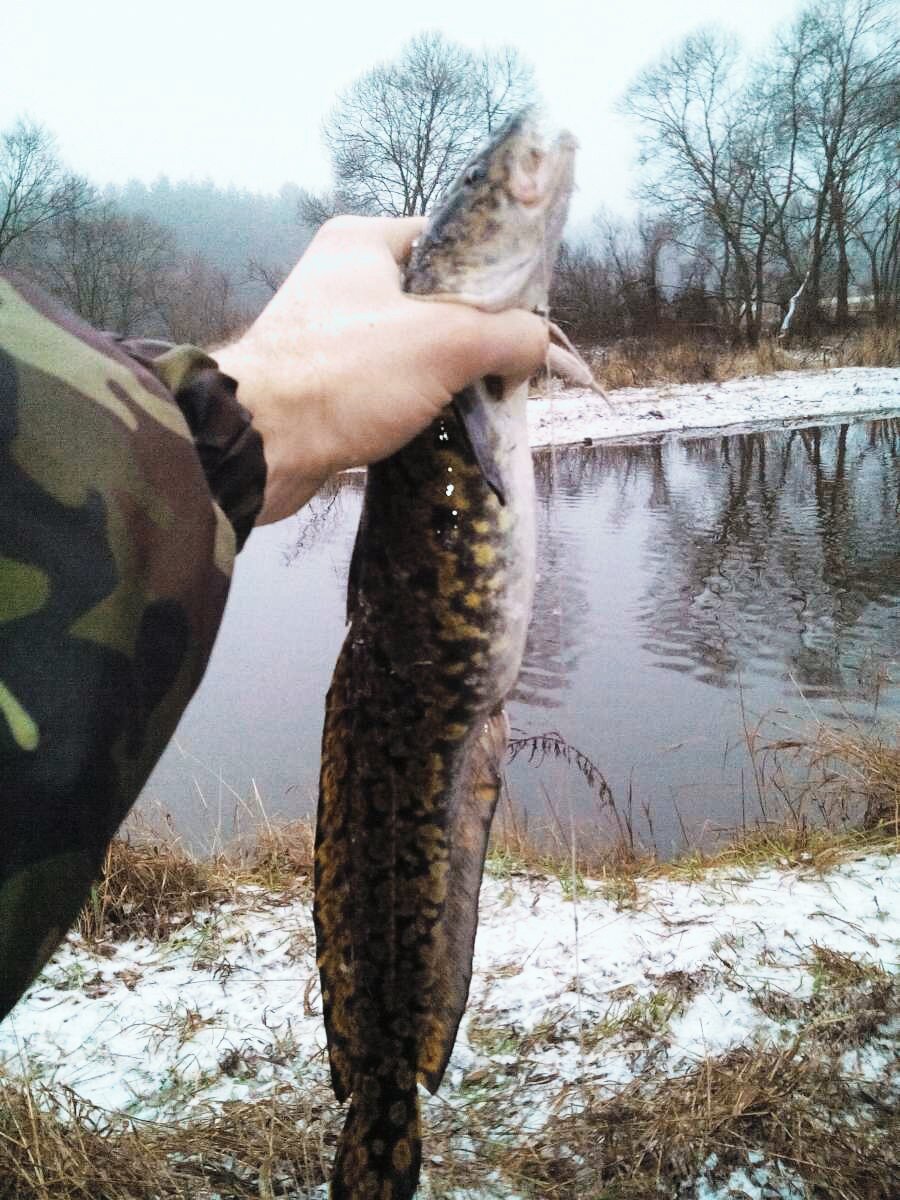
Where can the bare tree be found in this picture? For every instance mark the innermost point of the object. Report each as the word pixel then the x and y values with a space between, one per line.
pixel 315 208
pixel 105 265
pixel 503 84
pixel 401 132
pixel 844 59
pixel 197 303
pixel 584 299
pixel 35 189
pixel 777 159
pixel 269 276
pixel 622 280
pixel 875 222
pixel 695 134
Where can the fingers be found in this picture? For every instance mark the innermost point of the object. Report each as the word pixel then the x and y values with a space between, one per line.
pixel 512 344
pixel 400 233
pixel 396 234
pixel 349 277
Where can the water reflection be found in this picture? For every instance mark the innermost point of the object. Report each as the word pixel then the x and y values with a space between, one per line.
pixel 682 583
pixel 693 585
pixel 775 554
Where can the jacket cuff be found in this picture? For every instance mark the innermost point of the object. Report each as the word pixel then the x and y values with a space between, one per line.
pixel 229 448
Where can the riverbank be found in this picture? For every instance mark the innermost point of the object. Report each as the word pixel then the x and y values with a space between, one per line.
pixel 566 416
pixel 709 1029
pixel 677 1034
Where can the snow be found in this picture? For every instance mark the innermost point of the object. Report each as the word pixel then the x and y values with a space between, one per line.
pixel 228 1007
pixel 784 398
pixel 736 935
pixel 757 1182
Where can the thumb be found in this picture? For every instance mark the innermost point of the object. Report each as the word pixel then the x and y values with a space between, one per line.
pixel 512 344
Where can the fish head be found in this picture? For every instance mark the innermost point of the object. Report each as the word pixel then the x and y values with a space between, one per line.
pixel 494 238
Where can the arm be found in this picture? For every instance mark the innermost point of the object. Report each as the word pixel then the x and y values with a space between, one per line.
pixel 114 566
pixel 129 476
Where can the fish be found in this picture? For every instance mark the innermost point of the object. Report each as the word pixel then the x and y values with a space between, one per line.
pixel 440 591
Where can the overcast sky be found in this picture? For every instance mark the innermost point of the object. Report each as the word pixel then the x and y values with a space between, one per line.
pixel 236 92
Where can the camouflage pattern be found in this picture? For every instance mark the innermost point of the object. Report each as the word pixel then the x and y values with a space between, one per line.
pixel 114 569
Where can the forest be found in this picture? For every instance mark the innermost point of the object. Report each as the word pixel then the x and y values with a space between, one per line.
pixel 768 202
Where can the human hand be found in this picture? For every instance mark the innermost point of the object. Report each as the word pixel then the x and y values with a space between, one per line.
pixel 342 368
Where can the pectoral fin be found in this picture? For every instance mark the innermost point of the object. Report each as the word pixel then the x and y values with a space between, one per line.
pixel 470 406
pixel 565 360
pixel 450 963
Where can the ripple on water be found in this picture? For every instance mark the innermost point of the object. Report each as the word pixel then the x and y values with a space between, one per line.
pixel 683 587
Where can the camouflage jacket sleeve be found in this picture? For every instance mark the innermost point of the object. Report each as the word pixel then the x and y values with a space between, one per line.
pixel 128 477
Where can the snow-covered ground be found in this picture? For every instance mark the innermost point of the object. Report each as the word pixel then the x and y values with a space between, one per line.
pixel 788 397
pixel 228 1007
pixel 575 991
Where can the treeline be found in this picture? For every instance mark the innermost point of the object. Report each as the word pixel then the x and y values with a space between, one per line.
pixel 186 261
pixel 770 195
pixel 771 188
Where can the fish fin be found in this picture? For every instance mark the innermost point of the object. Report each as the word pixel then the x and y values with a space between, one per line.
pixel 565 360
pixel 453 942
pixel 333 913
pixel 470 408
pixel 380 1148
pixel 356 558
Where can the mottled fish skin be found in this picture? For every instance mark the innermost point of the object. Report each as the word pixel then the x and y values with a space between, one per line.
pixel 439 600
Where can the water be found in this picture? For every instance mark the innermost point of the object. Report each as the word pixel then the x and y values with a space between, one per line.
pixel 687 587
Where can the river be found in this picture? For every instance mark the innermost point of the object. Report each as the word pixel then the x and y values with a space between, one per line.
pixel 688 587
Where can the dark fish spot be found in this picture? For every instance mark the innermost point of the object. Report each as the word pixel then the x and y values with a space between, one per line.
pixel 424 579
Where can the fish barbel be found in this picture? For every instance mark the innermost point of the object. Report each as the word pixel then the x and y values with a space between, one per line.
pixel 439 600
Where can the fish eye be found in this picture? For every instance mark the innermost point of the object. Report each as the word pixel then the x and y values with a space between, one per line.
pixel 475 173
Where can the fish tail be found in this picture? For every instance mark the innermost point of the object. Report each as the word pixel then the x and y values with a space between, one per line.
pixel 379 1153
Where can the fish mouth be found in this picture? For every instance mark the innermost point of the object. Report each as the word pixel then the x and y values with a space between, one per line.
pixel 494 239
pixel 538 180
pixel 542 172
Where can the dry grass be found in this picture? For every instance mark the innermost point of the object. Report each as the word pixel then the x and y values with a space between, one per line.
pixel 793 1107
pixel 870 769
pixel 638 363
pixel 150 891
pixel 147 890
pixel 54 1146
pixel 642 362
pixel 870 348
pixel 782 845
pixel 850 1002
pixel 824 795
pixel 152 884
pixel 798 1110
pixel 837 778
pixel 279 856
